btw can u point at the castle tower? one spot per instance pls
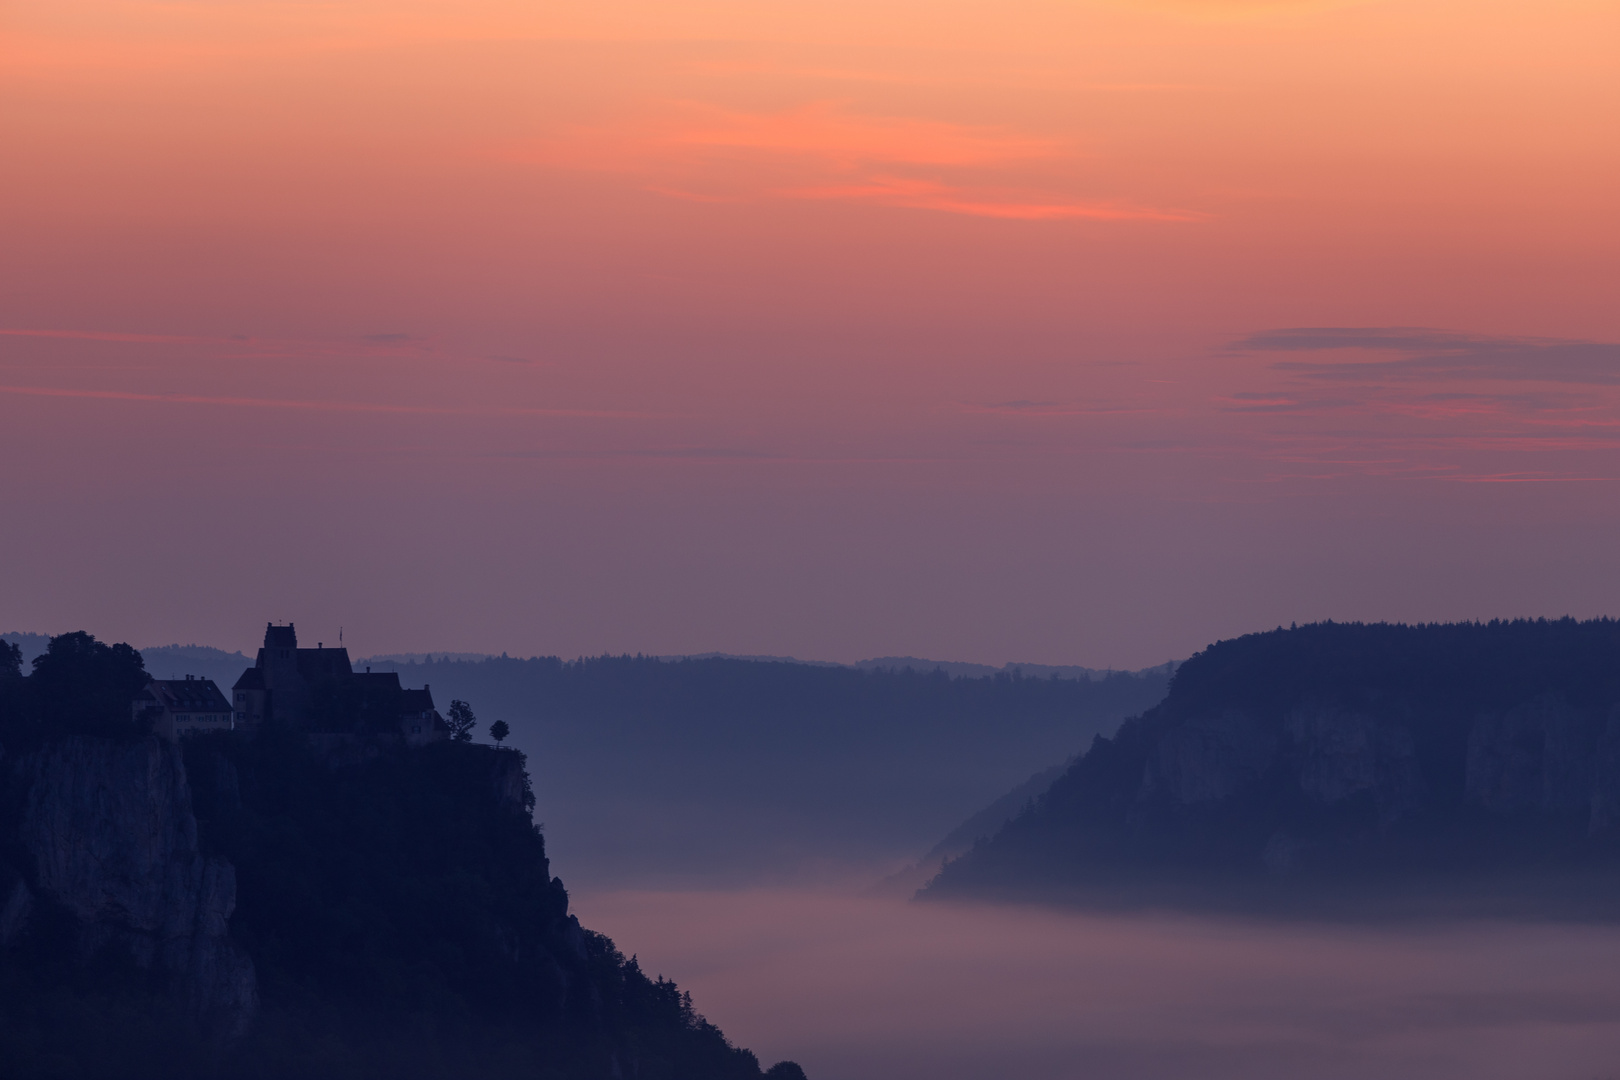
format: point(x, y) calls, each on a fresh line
point(279, 657)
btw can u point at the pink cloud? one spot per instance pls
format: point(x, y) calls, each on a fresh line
point(930, 195)
point(311, 405)
point(823, 151)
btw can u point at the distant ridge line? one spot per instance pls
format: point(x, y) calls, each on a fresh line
point(960, 669)
point(200, 655)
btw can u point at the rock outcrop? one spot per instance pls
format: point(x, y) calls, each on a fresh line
point(1331, 753)
point(110, 827)
point(1347, 752)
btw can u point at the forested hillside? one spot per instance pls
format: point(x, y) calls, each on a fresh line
point(1478, 761)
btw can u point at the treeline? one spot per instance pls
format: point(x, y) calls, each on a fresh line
point(631, 687)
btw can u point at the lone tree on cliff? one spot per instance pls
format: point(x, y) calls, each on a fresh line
point(499, 731)
point(462, 721)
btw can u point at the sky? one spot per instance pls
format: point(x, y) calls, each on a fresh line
point(1056, 331)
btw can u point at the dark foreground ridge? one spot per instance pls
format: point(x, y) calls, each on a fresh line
point(1344, 769)
point(281, 904)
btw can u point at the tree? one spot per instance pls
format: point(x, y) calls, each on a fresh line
point(85, 686)
point(462, 721)
point(499, 731)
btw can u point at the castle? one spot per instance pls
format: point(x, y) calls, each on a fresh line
point(318, 689)
point(314, 689)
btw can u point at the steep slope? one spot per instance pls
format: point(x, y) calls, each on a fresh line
point(1319, 761)
point(984, 824)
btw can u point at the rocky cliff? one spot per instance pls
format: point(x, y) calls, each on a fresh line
point(267, 903)
point(109, 827)
point(1342, 752)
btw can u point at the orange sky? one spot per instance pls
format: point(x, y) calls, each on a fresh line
point(970, 330)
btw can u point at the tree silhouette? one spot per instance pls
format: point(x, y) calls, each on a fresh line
point(499, 731)
point(86, 687)
point(462, 721)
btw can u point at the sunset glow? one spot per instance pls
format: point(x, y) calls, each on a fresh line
point(962, 330)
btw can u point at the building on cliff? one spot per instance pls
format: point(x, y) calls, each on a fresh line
point(318, 689)
point(176, 707)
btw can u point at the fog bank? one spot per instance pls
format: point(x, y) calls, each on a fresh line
point(872, 989)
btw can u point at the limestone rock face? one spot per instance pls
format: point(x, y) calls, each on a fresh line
point(1542, 755)
point(1340, 753)
point(111, 830)
point(510, 782)
point(1209, 758)
point(1331, 752)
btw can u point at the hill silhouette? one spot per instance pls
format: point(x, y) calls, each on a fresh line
point(1343, 765)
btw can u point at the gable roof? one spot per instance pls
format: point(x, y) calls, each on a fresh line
point(323, 665)
point(190, 695)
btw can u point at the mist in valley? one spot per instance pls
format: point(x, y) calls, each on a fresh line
point(862, 988)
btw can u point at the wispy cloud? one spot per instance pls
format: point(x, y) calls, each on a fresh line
point(1053, 408)
point(1418, 353)
point(828, 131)
point(314, 405)
point(109, 335)
point(389, 345)
point(930, 195)
point(826, 135)
point(1440, 404)
point(825, 150)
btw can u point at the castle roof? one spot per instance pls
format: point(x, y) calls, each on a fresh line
point(322, 665)
point(378, 680)
point(192, 695)
point(252, 679)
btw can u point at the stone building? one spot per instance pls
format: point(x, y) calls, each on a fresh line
point(178, 707)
